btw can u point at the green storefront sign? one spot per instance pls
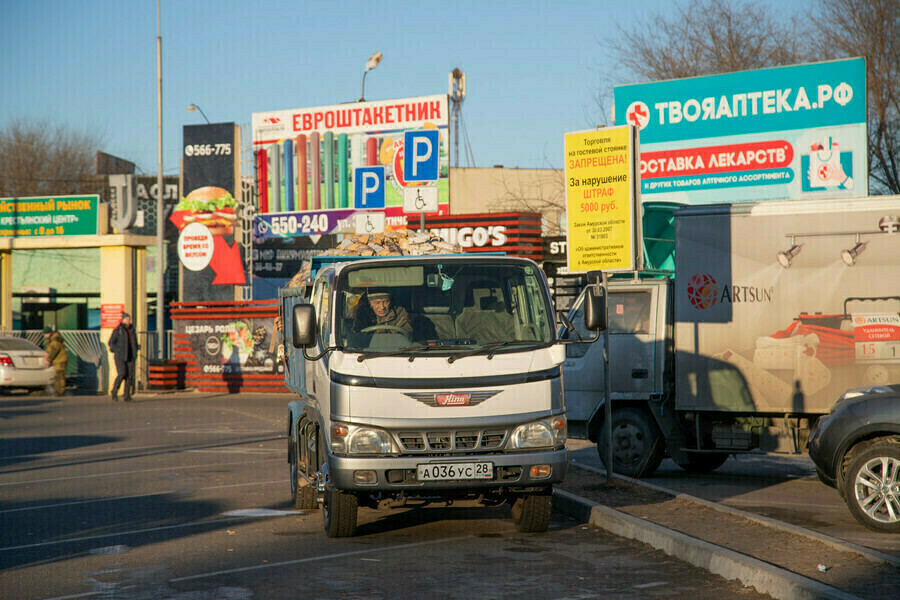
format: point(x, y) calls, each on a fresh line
point(56, 215)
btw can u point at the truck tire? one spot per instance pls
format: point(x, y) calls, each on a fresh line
point(637, 445)
point(303, 495)
point(702, 462)
point(531, 512)
point(871, 485)
point(339, 512)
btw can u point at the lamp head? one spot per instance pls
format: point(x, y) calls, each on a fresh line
point(849, 256)
point(373, 61)
point(785, 257)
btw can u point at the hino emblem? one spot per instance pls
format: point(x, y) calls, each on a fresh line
point(452, 398)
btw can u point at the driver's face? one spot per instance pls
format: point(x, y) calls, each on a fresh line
point(381, 306)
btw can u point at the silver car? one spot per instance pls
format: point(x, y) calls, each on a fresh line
point(23, 365)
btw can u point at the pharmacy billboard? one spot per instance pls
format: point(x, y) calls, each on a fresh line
point(784, 133)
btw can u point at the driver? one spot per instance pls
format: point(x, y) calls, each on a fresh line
point(377, 310)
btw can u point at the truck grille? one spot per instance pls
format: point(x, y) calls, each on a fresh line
point(452, 441)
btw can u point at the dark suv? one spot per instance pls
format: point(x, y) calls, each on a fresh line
point(856, 449)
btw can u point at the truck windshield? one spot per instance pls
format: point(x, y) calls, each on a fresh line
point(448, 307)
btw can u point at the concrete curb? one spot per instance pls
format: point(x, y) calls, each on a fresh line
point(838, 544)
point(779, 583)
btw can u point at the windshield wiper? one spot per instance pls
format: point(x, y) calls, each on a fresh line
point(491, 347)
point(400, 351)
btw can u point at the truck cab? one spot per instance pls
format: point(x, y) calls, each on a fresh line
point(452, 396)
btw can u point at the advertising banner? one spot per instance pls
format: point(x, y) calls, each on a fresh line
point(285, 225)
point(600, 199)
point(38, 217)
point(363, 134)
point(206, 214)
point(783, 133)
point(239, 346)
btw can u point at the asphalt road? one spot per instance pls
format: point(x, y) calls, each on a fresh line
point(779, 486)
point(186, 498)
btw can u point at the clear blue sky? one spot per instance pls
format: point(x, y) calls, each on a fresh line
point(533, 69)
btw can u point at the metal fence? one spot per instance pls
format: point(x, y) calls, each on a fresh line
point(89, 367)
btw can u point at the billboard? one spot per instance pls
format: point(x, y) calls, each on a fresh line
point(327, 144)
point(784, 133)
point(206, 214)
point(41, 217)
point(600, 200)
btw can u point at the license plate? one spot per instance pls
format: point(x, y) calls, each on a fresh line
point(455, 471)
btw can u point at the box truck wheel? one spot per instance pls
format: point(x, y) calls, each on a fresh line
point(303, 495)
point(702, 463)
point(637, 445)
point(531, 512)
point(339, 512)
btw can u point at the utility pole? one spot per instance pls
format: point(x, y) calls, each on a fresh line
point(160, 207)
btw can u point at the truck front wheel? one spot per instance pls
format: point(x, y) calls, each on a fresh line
point(303, 495)
point(637, 445)
point(339, 512)
point(531, 512)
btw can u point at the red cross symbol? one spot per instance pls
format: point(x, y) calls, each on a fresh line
point(638, 114)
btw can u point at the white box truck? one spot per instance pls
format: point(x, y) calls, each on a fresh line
point(772, 312)
point(455, 397)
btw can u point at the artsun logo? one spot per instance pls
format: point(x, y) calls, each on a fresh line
point(703, 292)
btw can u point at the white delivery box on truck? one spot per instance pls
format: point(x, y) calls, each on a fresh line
point(457, 398)
point(773, 311)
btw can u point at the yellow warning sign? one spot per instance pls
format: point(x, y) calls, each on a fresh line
point(600, 200)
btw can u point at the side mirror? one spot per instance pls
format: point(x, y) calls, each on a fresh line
point(304, 326)
point(595, 300)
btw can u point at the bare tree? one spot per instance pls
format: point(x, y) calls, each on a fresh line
point(870, 28)
point(40, 159)
point(543, 192)
point(709, 36)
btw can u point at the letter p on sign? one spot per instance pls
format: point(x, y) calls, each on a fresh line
point(368, 187)
point(420, 154)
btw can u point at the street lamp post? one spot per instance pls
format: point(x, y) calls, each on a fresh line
point(194, 107)
point(370, 64)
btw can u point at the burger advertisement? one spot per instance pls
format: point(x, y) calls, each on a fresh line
point(209, 205)
point(211, 261)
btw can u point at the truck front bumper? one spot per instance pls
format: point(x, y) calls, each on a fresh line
point(395, 474)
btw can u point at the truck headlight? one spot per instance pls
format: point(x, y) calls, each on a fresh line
point(546, 433)
point(353, 439)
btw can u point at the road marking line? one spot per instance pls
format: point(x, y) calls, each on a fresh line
point(121, 533)
point(203, 466)
point(275, 436)
point(115, 498)
point(300, 561)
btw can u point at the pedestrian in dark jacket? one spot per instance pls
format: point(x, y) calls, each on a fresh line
point(123, 345)
point(58, 357)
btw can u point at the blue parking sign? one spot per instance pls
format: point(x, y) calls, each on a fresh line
point(421, 149)
point(368, 187)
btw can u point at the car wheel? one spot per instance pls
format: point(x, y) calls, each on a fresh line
point(702, 462)
point(303, 495)
point(637, 445)
point(871, 485)
point(339, 512)
point(531, 512)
